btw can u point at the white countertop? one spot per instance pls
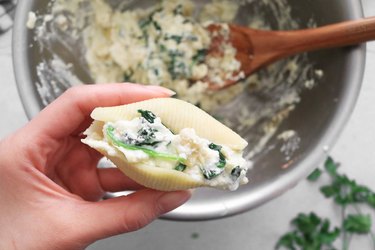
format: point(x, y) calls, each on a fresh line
point(256, 229)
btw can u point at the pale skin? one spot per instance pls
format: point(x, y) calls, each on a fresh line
point(51, 188)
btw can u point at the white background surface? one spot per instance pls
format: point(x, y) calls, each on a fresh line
point(256, 229)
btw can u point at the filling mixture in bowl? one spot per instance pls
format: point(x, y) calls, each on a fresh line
point(166, 43)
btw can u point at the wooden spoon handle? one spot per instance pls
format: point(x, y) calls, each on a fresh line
point(274, 45)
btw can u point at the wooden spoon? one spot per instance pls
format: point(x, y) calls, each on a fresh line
point(258, 48)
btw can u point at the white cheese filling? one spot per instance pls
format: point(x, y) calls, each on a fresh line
point(161, 45)
point(152, 144)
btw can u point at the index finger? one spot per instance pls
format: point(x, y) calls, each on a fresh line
point(63, 116)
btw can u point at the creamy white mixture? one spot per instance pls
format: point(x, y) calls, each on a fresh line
point(90, 31)
point(148, 141)
point(166, 45)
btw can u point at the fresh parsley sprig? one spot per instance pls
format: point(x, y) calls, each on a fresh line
point(310, 232)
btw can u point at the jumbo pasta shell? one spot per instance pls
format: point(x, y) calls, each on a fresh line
point(176, 115)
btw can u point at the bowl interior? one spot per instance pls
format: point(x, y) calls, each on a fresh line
point(317, 119)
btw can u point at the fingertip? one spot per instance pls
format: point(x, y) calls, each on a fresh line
point(160, 89)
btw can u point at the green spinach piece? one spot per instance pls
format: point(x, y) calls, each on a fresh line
point(148, 115)
point(236, 172)
point(210, 173)
point(177, 39)
point(200, 56)
point(128, 76)
point(146, 137)
point(222, 162)
point(150, 152)
point(178, 10)
point(180, 167)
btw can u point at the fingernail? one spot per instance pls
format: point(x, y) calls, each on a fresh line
point(172, 200)
point(161, 89)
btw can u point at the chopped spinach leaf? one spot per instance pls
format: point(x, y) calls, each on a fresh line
point(177, 39)
point(156, 25)
point(152, 153)
point(209, 174)
point(178, 10)
point(128, 76)
point(173, 54)
point(162, 48)
point(200, 56)
point(146, 137)
point(144, 22)
point(148, 115)
point(236, 172)
point(214, 146)
point(180, 167)
point(148, 20)
point(222, 161)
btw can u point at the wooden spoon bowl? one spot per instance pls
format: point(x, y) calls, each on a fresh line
point(258, 48)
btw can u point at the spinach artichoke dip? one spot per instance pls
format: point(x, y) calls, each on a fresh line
point(145, 142)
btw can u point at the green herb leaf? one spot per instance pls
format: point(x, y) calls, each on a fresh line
point(222, 161)
point(144, 23)
point(177, 39)
point(128, 76)
point(213, 146)
point(310, 232)
point(156, 25)
point(315, 175)
point(150, 152)
point(371, 200)
point(313, 233)
point(288, 241)
point(146, 137)
point(200, 56)
point(178, 10)
point(209, 174)
point(148, 115)
point(346, 191)
point(358, 223)
point(236, 172)
point(180, 167)
point(331, 166)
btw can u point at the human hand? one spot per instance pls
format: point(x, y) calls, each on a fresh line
point(50, 184)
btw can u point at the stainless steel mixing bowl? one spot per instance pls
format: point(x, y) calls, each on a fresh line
point(318, 119)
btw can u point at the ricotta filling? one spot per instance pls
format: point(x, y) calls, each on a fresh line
point(146, 141)
point(158, 45)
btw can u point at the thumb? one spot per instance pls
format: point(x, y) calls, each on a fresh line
point(127, 213)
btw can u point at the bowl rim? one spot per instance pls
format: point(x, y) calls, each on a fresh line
point(315, 156)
